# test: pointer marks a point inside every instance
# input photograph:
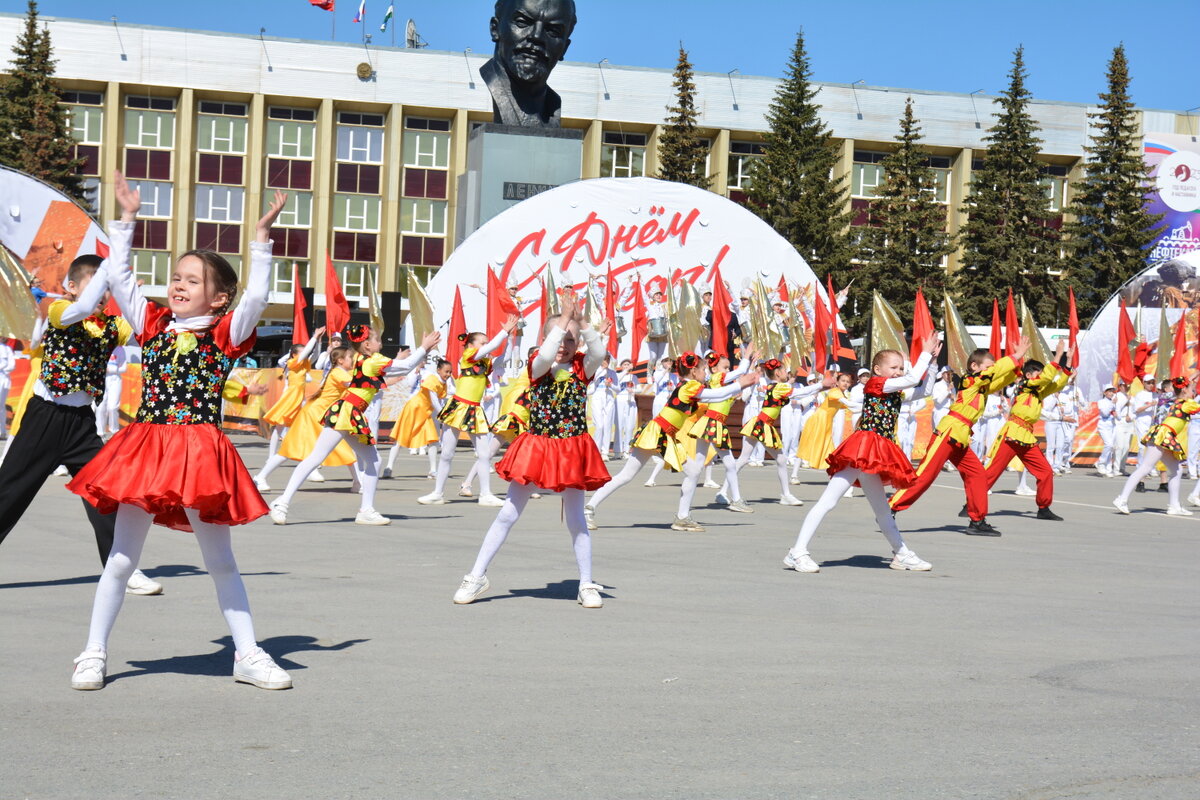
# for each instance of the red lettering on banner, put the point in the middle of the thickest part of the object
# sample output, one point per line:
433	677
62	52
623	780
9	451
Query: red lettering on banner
651	234
625	237
532	241
576	239
681	229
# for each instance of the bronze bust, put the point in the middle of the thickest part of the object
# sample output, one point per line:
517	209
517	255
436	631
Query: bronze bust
531	37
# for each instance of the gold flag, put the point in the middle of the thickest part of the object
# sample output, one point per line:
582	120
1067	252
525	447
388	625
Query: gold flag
552	297
1166	346
959	344
593	312
420	310
675	332
887	333
690	326
373	303
1038	349
18	311
797	346
766	336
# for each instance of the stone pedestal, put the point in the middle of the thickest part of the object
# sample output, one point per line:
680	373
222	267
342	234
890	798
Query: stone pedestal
507	164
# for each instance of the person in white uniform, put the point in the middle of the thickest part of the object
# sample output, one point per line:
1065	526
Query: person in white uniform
8	360
108	410
1106	427
626	410
602	406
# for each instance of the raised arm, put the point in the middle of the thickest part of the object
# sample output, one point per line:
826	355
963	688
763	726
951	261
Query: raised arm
120	241
497	340
593	353
914	377
728	390
415	358
258	283
312	344
85	304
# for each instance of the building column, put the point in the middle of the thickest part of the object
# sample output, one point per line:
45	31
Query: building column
256	137
389	215
460	132
653	164
184	160
592	142
959	188
322	188
845	170
112	140
720	163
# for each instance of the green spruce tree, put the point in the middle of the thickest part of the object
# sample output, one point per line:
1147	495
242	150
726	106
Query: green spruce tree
1007	241
1111	231
681	152
791	187
904	250
34	134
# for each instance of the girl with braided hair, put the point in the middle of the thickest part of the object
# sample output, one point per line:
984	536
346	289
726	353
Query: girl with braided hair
346	421
663	435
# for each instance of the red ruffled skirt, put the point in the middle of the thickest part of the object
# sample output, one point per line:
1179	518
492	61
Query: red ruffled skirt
872	453
164	469
554	464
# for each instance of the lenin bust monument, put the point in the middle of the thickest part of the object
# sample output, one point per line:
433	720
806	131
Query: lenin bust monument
531	37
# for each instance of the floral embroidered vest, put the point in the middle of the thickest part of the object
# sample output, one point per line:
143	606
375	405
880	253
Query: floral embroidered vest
75	360
558	403
182	386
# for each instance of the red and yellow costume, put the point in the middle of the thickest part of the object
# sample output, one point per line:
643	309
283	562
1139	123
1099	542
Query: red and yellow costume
872	446
284	412
765	427
302	436
415	426
514	409
952	440
1166	435
663	432
1016	438
463	411
710	425
348	414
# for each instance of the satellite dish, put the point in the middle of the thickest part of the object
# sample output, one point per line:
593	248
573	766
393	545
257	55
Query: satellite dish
412	39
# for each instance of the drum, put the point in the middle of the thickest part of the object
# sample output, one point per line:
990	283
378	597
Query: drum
658	328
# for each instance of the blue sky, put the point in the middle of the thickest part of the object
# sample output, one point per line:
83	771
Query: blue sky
940	45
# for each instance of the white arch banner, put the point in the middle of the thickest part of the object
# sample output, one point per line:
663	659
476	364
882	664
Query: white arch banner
639	227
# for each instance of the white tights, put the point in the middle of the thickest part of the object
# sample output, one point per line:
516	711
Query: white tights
276	437
694	466
276	461
637	459
514	506
493	447
431	450
838	485
1146	464
129	536
368	463
749	445
482	461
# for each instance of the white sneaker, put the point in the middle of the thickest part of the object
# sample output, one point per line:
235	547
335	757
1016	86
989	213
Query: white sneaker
1194	499
740	506
370	516
722	498
651	484
1120	505
62	471
89	671
262	485
465	491
470	588
490	501
387	473
316	477
1178	511
801	562
259	669
355	487
849	492
139	584
589	516
757	464
687	524
279	513
431	475
589	595
1025	491
432	499
794	480
790	500
911	561
711	485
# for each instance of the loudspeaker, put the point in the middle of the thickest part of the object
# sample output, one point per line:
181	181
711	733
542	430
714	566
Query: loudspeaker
389	308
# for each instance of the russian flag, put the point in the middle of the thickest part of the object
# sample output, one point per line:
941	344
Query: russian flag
362	11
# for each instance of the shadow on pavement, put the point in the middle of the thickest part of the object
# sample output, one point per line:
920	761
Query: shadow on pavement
221	662
164	571
562	590
867	562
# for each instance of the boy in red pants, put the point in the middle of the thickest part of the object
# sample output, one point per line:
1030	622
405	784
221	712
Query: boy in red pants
952	440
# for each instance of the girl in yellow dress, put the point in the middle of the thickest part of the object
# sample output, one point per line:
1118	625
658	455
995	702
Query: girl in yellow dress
302	436
346	421
1165	442
710	432
816	440
664	434
295	368
463	414
417	426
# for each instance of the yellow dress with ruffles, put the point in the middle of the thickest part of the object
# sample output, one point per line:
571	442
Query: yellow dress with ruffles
284	412
1168	435
710	420
816	440
514	409
665	433
302	436
463	411
415	426
765	426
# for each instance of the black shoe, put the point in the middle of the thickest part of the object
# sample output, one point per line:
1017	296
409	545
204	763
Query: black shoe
1162	487
980	527
964	513
1046	513
1141	487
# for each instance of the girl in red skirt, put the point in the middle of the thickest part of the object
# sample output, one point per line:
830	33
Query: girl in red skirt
173	466
871	458
555	453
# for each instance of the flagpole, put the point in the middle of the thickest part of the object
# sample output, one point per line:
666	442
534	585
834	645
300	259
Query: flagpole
333	27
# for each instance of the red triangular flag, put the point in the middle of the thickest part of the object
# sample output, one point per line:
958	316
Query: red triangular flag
337	310
545	311
299	326
784	297
610	310
922	326
1073	329
1012	327
499	304
996	343
1179	358
458	327
327	5
722	315
821	326
111	308
101	249
833	305
1125	336
641	323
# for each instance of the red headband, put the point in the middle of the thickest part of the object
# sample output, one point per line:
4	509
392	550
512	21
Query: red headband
688	360
771	364
713	359
358	333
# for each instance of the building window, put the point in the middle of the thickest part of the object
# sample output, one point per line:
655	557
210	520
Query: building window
83	98
153	129
152	164
281	275
221	134
422	251
297	212
219	203
290	242
87	123
360	138
358	178
429	183
623	155
156	199
348	246
226	109
91	195
867	175
941	177
423	217
151	267
353	278
213	168
219	237
286	139
355	213
741	159
90	154
150	234
285	174
427	143
151	103
1053	181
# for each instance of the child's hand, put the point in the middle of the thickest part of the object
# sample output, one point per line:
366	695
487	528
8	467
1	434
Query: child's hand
931	343
129	199
1060	349
256	389
263	229
605	327
750	378
319	332
431	340
1023	346
510	324
569	305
